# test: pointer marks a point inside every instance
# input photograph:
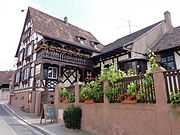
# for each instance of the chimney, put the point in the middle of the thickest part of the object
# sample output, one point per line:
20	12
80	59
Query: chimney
167	17
65	20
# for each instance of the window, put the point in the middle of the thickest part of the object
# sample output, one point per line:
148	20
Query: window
52	73
17	78
20	56
30	48
125	66
168	62
26	73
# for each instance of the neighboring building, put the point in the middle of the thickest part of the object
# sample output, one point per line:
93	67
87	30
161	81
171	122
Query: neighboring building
129	52
5	77
52	51
168	48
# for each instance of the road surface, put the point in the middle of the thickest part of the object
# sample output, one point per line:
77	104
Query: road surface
11	125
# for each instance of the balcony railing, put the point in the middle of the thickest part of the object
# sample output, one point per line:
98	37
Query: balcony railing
64	57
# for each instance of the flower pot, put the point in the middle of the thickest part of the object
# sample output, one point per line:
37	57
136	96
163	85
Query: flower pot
65	101
128	101
89	101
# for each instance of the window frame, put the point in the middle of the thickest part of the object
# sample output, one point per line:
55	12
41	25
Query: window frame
17	77
52	72
165	64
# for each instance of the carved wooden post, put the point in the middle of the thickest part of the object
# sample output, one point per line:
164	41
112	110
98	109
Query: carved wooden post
160	86
105	87
77	91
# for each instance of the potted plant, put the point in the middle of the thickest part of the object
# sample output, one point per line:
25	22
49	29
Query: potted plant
66	96
70	98
132	95
91	92
63	94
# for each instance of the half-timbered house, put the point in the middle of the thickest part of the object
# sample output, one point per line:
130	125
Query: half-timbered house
50	51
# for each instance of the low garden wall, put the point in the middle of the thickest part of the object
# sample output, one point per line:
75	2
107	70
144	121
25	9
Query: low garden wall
128	119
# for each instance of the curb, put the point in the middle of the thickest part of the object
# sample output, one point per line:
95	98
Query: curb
40	129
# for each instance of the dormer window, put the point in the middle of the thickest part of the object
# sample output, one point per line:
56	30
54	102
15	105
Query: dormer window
94	44
81	39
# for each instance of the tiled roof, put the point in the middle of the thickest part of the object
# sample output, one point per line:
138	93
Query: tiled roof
5	77
127	39
168	41
53	27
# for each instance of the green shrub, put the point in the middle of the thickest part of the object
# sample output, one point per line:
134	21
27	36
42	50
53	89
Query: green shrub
72	117
175	99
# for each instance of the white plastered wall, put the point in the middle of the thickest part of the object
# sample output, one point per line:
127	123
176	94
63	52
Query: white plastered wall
177	59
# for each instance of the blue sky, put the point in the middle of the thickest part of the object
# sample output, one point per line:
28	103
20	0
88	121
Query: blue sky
105	19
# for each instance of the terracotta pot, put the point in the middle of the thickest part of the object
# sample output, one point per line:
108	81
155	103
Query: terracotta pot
89	101
65	101
128	101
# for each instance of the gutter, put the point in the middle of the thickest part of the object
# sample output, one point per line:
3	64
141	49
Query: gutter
124	47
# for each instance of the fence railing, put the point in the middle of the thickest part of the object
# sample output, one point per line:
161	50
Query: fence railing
172	81
141	85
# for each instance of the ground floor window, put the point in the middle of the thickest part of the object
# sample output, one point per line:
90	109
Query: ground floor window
168	62
52	72
137	66
125	66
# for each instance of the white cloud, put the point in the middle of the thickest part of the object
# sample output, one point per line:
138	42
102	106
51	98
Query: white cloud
11	24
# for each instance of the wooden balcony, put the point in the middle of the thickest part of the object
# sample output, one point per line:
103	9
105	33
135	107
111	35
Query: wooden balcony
64	57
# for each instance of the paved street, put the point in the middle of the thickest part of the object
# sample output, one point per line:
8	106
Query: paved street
11	125
13	121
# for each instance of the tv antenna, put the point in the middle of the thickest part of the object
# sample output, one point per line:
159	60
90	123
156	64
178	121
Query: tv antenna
129	24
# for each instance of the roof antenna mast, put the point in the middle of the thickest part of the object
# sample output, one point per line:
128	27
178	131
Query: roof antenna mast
129	26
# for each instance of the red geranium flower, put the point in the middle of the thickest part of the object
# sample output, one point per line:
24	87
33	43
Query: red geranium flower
136	92
131	96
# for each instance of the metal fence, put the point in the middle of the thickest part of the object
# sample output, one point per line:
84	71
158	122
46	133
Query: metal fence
172	81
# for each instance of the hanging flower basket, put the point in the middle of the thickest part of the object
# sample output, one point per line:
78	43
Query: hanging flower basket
89	101
15	84
128	101
24	81
27	57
